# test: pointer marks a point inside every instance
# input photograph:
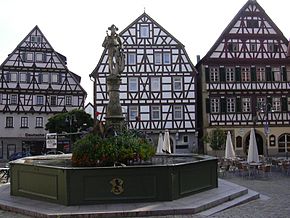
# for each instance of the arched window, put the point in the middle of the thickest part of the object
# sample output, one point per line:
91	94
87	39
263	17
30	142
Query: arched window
239	143
284	143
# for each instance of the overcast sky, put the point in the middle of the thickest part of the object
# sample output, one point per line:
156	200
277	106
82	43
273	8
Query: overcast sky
76	28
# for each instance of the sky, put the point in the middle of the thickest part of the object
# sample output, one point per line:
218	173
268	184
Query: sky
76	28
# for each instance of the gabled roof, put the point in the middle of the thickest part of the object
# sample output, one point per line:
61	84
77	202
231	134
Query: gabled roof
251	8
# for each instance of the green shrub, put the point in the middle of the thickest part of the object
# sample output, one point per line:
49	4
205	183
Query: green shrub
125	148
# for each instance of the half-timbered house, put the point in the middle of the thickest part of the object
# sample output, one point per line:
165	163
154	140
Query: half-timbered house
158	84
245	81
35	84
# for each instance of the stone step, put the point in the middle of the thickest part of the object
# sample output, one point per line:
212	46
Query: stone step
249	196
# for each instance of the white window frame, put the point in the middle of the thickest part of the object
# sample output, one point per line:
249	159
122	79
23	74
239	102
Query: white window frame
277	74
157	58
246	105
144	31
230	74
214	105
246	74
13	99
166	58
155	84
155	112
53	101
133	113
45	77
276	104
68	100
214	74
54	78
231	105
131	58
178	112
9	122
39	100
260	74
177	84
39	122
40	57
24	122
133	84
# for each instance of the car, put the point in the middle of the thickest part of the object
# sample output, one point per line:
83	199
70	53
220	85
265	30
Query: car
19	155
53	152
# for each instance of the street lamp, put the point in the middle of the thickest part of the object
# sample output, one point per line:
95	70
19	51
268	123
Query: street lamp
265	108
70	119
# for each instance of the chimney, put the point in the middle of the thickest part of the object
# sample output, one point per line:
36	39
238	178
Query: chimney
198	57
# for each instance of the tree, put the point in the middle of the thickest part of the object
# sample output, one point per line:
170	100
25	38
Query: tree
216	139
69	122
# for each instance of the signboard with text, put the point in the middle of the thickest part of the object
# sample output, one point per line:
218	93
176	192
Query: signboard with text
51	140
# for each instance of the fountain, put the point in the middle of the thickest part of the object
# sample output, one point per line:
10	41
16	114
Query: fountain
54	178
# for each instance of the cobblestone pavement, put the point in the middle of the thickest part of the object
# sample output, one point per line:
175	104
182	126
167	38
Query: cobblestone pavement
274	202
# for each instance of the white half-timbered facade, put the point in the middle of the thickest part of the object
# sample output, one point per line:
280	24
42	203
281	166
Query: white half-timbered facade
35	84
245	82
158	84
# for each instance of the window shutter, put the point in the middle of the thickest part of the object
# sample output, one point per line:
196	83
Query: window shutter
28	79
253	74
223	105
238	74
59	77
222	74
269	74
207	102
239	105
284	74
207	75
284	105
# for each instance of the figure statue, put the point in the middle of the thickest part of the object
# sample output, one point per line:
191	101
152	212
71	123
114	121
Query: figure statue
115	51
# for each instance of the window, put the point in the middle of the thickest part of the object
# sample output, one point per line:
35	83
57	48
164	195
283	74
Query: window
185	138
166	58
155	84
10	77
253	47
230	74
1	98
261	102
277	74
39	100
68	100
177	112
40	57
272	47
27	56
252	23
36	39
246	74
13	99
9	122
177	84
276	104
155	113
24	122
261	74
25	77
39	122
53	100
54	78
131	59
144	30
133	84
239	141
215	105
233	47
231	105
157	58
246	105
214	74
284	143
133	112
45	78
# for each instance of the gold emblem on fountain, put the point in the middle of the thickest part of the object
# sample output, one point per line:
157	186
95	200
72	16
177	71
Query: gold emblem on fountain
117	186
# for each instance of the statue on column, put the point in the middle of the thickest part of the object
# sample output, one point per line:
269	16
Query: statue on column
116	61
115	51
